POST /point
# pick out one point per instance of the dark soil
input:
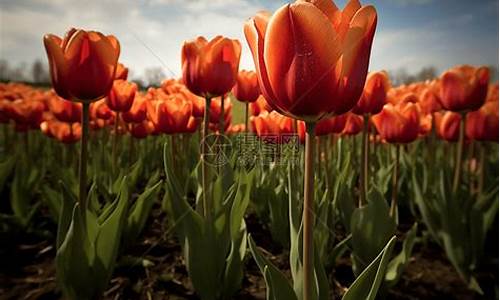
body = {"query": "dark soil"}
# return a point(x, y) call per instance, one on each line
point(154, 269)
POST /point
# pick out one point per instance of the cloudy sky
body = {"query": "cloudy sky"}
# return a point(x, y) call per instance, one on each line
point(411, 34)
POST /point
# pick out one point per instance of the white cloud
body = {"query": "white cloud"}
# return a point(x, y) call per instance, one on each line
point(151, 33)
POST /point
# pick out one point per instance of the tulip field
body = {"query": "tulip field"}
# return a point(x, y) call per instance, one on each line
point(306, 178)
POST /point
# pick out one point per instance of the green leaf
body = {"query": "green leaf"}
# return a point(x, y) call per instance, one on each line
point(368, 282)
point(371, 228)
point(139, 213)
point(108, 237)
point(68, 200)
point(73, 261)
point(6, 168)
point(278, 287)
point(397, 265)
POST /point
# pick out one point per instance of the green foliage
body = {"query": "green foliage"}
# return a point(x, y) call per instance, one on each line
point(87, 249)
point(214, 246)
point(458, 222)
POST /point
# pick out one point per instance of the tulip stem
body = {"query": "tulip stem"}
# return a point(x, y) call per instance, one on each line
point(480, 183)
point(395, 179)
point(221, 117)
point(460, 150)
point(246, 119)
point(363, 185)
point(204, 166)
point(115, 141)
point(83, 160)
point(308, 213)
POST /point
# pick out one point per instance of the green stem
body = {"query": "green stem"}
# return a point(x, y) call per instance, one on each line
point(204, 166)
point(115, 142)
point(460, 150)
point(246, 118)
point(221, 117)
point(83, 160)
point(308, 213)
point(482, 156)
point(364, 164)
point(395, 179)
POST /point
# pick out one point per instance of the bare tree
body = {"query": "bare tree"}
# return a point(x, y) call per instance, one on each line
point(4, 70)
point(154, 76)
point(39, 72)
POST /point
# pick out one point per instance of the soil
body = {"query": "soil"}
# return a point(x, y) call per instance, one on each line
point(27, 269)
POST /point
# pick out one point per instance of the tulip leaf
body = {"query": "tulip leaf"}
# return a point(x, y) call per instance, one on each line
point(139, 213)
point(397, 264)
point(6, 168)
point(368, 282)
point(108, 238)
point(73, 260)
point(371, 228)
point(278, 287)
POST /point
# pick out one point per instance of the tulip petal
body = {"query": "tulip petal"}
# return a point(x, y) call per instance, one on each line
point(57, 64)
point(299, 62)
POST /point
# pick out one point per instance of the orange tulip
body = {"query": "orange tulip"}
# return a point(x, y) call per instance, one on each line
point(353, 124)
point(492, 93)
point(398, 123)
point(429, 101)
point(142, 129)
point(170, 116)
point(464, 88)
point(138, 111)
point(210, 69)
point(83, 64)
point(259, 106)
point(331, 125)
point(215, 109)
point(121, 96)
point(121, 72)
point(4, 111)
point(247, 87)
point(448, 125)
point(272, 126)
point(27, 114)
point(64, 110)
point(311, 58)
point(482, 125)
point(100, 110)
point(235, 129)
point(67, 133)
point(374, 94)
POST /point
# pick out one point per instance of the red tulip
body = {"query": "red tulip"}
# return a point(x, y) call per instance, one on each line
point(374, 94)
point(170, 116)
point(121, 96)
point(67, 133)
point(209, 69)
point(312, 59)
point(482, 125)
point(65, 110)
point(259, 106)
point(121, 72)
point(398, 123)
point(331, 125)
point(83, 64)
point(353, 124)
point(247, 87)
point(141, 130)
point(138, 111)
point(448, 125)
point(464, 88)
point(27, 114)
point(100, 110)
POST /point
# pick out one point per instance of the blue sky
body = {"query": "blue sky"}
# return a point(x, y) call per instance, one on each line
point(411, 34)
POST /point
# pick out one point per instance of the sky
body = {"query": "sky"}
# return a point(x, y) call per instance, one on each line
point(411, 34)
